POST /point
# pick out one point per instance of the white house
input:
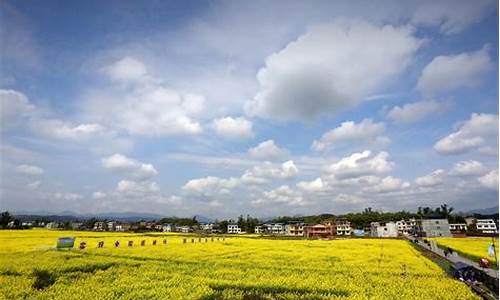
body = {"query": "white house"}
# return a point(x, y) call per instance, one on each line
point(486, 226)
point(294, 229)
point(259, 229)
point(343, 227)
point(207, 227)
point(390, 229)
point(233, 228)
point(167, 227)
point(406, 227)
point(183, 229)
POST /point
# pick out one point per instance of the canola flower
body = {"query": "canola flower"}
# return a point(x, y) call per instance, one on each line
point(241, 267)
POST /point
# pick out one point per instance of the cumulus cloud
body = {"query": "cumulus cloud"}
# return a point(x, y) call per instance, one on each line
point(68, 196)
point(98, 195)
point(267, 150)
point(366, 132)
point(467, 168)
point(316, 185)
point(14, 105)
point(490, 180)
point(361, 164)
point(210, 186)
point(413, 112)
point(475, 132)
point(448, 72)
point(233, 128)
point(128, 167)
point(137, 189)
point(126, 69)
point(430, 180)
point(266, 171)
point(29, 170)
point(325, 70)
point(389, 184)
point(58, 129)
point(145, 107)
point(281, 195)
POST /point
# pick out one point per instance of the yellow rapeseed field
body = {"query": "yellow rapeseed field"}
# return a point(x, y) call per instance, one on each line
point(473, 248)
point(243, 267)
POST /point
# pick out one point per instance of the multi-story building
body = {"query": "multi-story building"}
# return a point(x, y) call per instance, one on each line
point(167, 227)
point(207, 227)
point(99, 226)
point(459, 227)
point(294, 229)
point(233, 229)
point(122, 227)
point(486, 226)
point(183, 229)
point(259, 229)
point(111, 225)
point(432, 228)
point(389, 229)
point(406, 227)
point(319, 231)
point(343, 227)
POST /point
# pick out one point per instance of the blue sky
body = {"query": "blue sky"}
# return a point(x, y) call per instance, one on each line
point(268, 108)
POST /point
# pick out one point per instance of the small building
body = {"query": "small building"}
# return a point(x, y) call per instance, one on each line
point(99, 226)
point(50, 225)
point(183, 229)
point(294, 229)
point(259, 229)
point(432, 228)
point(111, 225)
point(319, 231)
point(207, 227)
point(76, 225)
point(486, 226)
point(122, 227)
point(233, 229)
point(387, 230)
point(406, 227)
point(167, 227)
point(343, 227)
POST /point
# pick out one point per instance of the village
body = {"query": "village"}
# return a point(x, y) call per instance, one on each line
point(329, 229)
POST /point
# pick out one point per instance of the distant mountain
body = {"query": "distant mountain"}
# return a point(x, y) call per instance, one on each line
point(484, 211)
point(203, 219)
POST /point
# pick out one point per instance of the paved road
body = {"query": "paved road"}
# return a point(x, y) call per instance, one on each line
point(454, 258)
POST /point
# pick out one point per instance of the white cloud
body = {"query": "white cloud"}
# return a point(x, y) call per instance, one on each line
point(316, 185)
point(129, 167)
point(480, 129)
point(361, 164)
point(13, 106)
point(98, 195)
point(431, 179)
point(144, 107)
point(267, 150)
point(210, 186)
point(266, 171)
point(68, 196)
point(233, 128)
point(281, 195)
point(490, 180)
point(446, 73)
point(468, 167)
point(137, 189)
point(58, 129)
point(29, 170)
point(413, 112)
point(366, 132)
point(34, 185)
point(451, 16)
point(126, 69)
point(326, 69)
point(389, 184)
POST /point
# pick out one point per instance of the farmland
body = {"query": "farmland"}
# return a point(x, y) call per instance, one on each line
point(473, 248)
point(241, 267)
